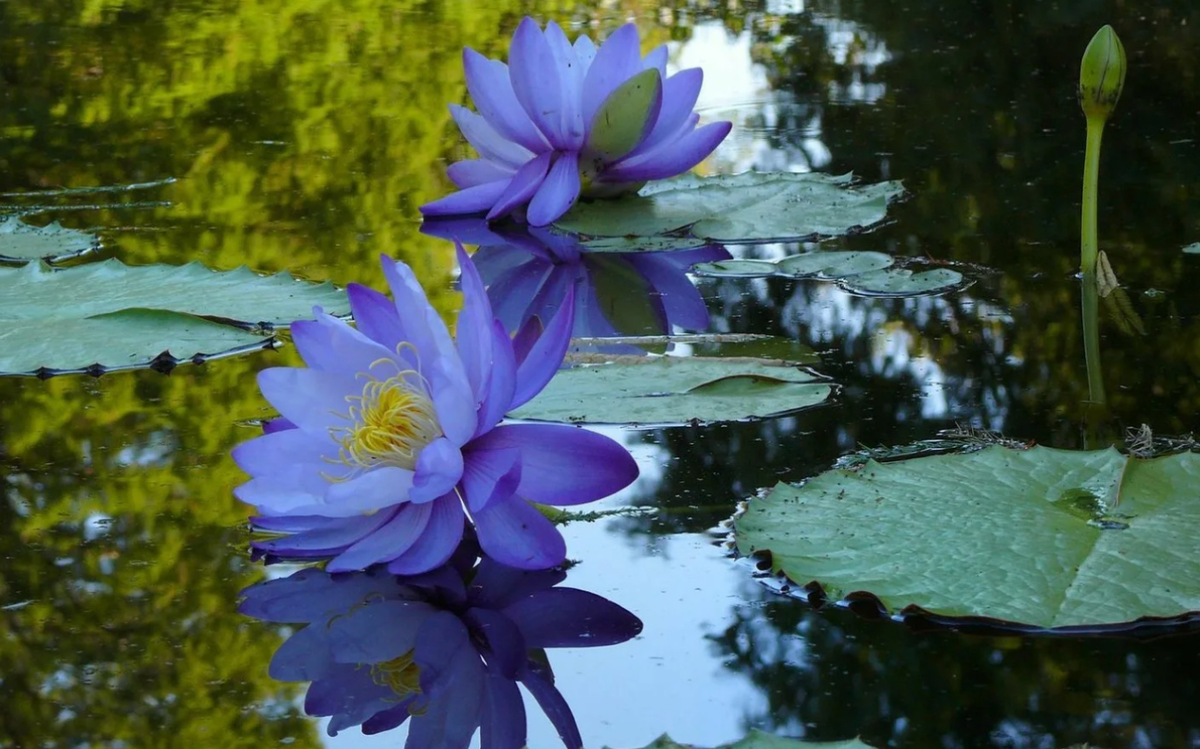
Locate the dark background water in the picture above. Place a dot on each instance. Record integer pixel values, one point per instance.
(304, 133)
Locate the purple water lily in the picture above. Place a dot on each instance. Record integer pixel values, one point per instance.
(390, 438)
(563, 121)
(530, 272)
(443, 651)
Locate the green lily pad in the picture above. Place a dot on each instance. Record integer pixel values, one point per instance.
(1193, 248)
(904, 282)
(21, 242)
(666, 390)
(641, 244)
(108, 315)
(832, 264)
(761, 740)
(735, 269)
(750, 207)
(1040, 537)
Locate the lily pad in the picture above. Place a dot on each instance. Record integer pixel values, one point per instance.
(21, 242)
(664, 390)
(1193, 248)
(832, 264)
(903, 282)
(735, 269)
(109, 315)
(1041, 537)
(761, 740)
(641, 244)
(750, 207)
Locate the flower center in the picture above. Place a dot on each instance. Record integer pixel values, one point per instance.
(390, 423)
(400, 674)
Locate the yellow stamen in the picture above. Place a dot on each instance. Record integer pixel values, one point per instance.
(400, 674)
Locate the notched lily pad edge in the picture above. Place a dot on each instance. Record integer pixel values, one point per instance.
(164, 363)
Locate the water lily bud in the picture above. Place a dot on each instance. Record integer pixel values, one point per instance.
(626, 116)
(1101, 74)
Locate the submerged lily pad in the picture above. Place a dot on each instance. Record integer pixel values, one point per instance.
(735, 269)
(21, 242)
(1041, 537)
(832, 264)
(903, 282)
(750, 207)
(112, 316)
(762, 740)
(675, 390)
(646, 244)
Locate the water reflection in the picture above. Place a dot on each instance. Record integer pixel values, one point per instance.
(442, 651)
(528, 272)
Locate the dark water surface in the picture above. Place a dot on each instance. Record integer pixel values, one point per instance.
(305, 133)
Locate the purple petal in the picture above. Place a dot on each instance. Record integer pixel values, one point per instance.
(565, 61)
(558, 192)
(656, 58)
(570, 618)
(515, 533)
(671, 158)
(373, 490)
(585, 53)
(388, 719)
(503, 381)
(280, 424)
(437, 543)
(527, 337)
(488, 474)
(326, 538)
(375, 631)
(387, 542)
(304, 656)
(281, 494)
(311, 594)
(554, 706)
(330, 344)
(491, 89)
(309, 398)
(537, 81)
(473, 172)
(375, 316)
(452, 675)
(546, 355)
(502, 638)
(513, 292)
(524, 185)
(680, 92)
(278, 451)
(490, 144)
(439, 467)
(617, 60)
(503, 724)
(475, 320)
(477, 199)
(681, 300)
(599, 466)
(497, 586)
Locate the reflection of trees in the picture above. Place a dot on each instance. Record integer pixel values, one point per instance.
(124, 557)
(832, 675)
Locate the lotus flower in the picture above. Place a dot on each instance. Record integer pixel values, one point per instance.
(563, 121)
(530, 271)
(442, 651)
(390, 438)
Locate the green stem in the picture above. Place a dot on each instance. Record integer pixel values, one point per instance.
(1091, 337)
(1091, 178)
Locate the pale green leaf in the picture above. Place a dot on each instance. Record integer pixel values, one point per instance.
(904, 282)
(675, 390)
(621, 121)
(750, 207)
(735, 269)
(21, 242)
(832, 264)
(1042, 537)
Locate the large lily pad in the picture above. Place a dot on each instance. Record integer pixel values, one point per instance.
(21, 242)
(761, 740)
(903, 282)
(1041, 537)
(664, 390)
(112, 316)
(750, 207)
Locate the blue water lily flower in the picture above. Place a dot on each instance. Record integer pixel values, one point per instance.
(443, 651)
(390, 438)
(564, 120)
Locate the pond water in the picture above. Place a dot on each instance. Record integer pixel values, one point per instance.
(303, 134)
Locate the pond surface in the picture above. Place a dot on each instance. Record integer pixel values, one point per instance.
(303, 134)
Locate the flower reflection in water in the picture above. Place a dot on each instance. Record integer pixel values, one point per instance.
(443, 651)
(529, 272)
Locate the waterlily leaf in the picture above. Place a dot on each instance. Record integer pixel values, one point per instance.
(641, 244)
(1193, 248)
(675, 390)
(750, 207)
(760, 740)
(735, 269)
(109, 315)
(831, 265)
(21, 242)
(1041, 537)
(903, 282)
